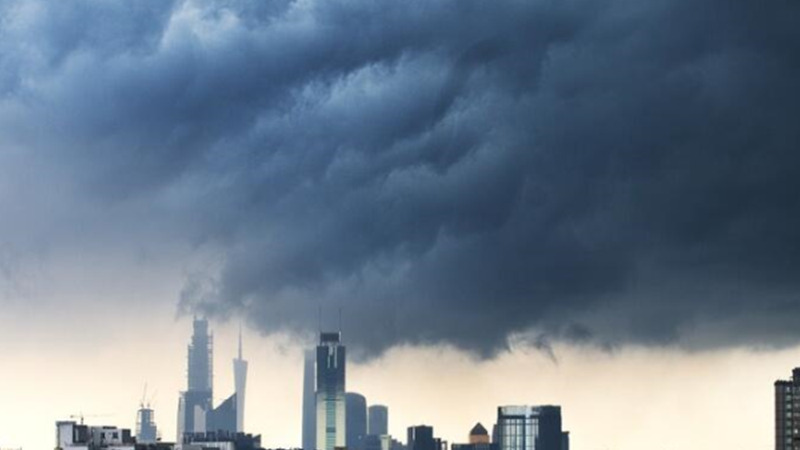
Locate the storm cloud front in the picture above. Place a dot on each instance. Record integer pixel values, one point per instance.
(458, 172)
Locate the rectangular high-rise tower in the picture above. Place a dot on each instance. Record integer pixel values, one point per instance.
(356, 423)
(378, 423)
(309, 402)
(420, 437)
(529, 427)
(330, 395)
(787, 412)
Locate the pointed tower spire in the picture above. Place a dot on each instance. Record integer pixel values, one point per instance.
(240, 340)
(240, 380)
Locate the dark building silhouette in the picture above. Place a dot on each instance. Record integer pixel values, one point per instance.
(421, 437)
(529, 427)
(487, 446)
(565, 440)
(330, 395)
(156, 446)
(309, 401)
(378, 423)
(221, 439)
(356, 420)
(787, 412)
(397, 445)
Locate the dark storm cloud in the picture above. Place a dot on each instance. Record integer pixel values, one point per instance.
(446, 172)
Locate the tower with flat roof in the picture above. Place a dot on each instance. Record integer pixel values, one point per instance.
(356, 424)
(330, 392)
(378, 423)
(309, 401)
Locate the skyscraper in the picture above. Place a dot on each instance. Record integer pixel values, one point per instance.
(196, 400)
(356, 423)
(146, 431)
(309, 402)
(330, 395)
(240, 382)
(787, 412)
(529, 427)
(420, 437)
(378, 423)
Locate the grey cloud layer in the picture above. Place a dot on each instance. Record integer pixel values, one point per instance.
(447, 172)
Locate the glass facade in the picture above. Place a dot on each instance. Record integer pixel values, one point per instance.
(529, 428)
(309, 402)
(378, 420)
(356, 415)
(421, 438)
(330, 395)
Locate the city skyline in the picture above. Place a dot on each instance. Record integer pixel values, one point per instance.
(590, 204)
(562, 383)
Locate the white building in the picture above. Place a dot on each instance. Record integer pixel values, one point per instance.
(73, 436)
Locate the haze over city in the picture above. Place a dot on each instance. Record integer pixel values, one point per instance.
(588, 204)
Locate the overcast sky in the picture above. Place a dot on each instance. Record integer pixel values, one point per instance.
(495, 180)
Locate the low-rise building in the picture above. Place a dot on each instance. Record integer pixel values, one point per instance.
(71, 435)
(221, 440)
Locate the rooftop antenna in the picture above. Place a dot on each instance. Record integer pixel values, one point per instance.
(240, 340)
(319, 319)
(340, 322)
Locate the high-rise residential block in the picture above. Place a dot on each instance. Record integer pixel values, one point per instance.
(787, 412)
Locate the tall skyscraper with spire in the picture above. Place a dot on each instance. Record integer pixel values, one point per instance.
(309, 401)
(330, 394)
(196, 400)
(240, 382)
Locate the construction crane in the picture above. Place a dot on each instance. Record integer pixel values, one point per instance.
(81, 416)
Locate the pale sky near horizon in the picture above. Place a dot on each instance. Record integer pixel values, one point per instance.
(476, 183)
(611, 400)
